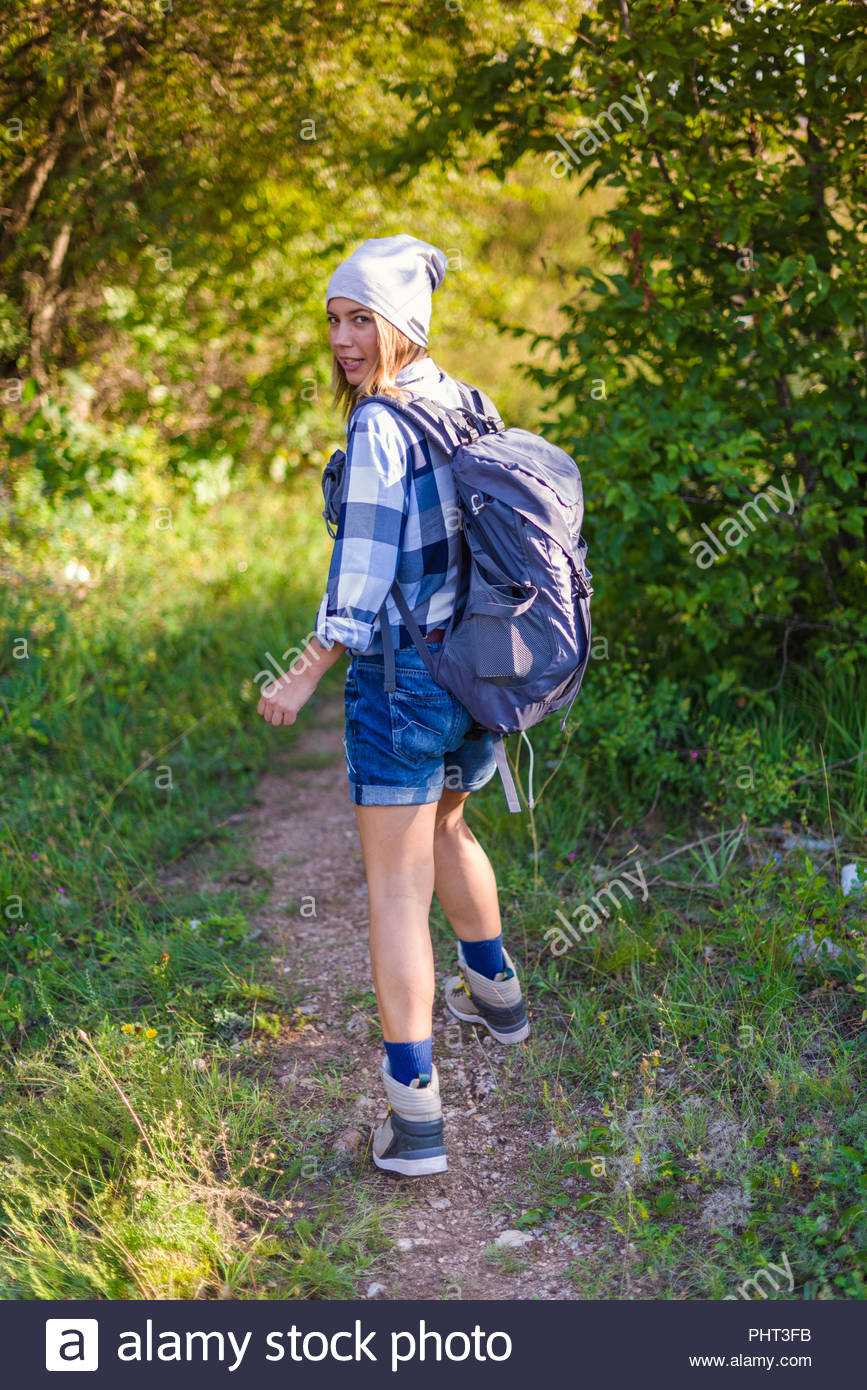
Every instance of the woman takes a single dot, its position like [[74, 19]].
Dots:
[[412, 757]]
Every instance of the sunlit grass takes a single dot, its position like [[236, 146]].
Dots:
[[702, 1084], [171, 1180], [135, 1164], [703, 1090]]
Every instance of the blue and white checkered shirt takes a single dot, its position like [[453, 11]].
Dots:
[[399, 519]]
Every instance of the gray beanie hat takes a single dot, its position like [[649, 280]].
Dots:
[[395, 276]]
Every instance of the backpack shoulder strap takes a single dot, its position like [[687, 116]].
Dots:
[[444, 426], [481, 405], [448, 427]]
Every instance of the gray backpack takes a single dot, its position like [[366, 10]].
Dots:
[[518, 641]]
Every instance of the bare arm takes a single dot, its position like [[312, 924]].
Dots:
[[286, 696]]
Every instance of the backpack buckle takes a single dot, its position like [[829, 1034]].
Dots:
[[582, 581], [481, 424], [489, 425]]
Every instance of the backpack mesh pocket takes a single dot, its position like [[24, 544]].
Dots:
[[501, 652], [504, 649]]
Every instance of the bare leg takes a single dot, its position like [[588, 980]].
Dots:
[[397, 844], [464, 880]]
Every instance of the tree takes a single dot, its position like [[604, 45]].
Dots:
[[720, 352], [174, 187]]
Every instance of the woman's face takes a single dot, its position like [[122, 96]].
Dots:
[[353, 338]]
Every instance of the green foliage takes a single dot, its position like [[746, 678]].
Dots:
[[183, 309], [718, 346], [636, 743], [745, 774], [67, 453], [633, 732]]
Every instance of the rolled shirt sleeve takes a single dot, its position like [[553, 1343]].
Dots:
[[369, 530]]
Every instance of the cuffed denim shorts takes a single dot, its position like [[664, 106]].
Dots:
[[406, 748]]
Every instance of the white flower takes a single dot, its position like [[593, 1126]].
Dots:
[[75, 573]]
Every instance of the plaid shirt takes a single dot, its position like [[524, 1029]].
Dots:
[[399, 519]]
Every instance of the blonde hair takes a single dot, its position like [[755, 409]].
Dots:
[[396, 350]]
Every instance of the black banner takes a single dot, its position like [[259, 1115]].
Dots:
[[418, 1344]]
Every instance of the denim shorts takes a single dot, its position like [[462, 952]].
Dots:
[[406, 748]]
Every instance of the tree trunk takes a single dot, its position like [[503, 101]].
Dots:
[[44, 305]]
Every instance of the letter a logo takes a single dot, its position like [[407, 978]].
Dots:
[[71, 1344]]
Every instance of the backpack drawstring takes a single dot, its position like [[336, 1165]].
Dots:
[[530, 802]]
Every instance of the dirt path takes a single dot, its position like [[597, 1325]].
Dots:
[[303, 832]]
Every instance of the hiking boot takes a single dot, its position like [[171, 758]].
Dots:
[[410, 1139], [497, 1003]]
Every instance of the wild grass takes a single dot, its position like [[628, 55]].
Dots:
[[137, 1162], [186, 1185], [699, 1071], [698, 1056]]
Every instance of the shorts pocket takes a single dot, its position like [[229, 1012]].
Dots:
[[351, 702], [351, 695], [422, 723]]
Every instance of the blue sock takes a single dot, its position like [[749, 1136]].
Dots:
[[408, 1060], [486, 957]]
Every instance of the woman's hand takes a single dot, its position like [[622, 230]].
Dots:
[[283, 698]]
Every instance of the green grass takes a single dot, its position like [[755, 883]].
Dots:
[[131, 732], [504, 1260], [702, 1090], [138, 1161], [191, 1184]]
